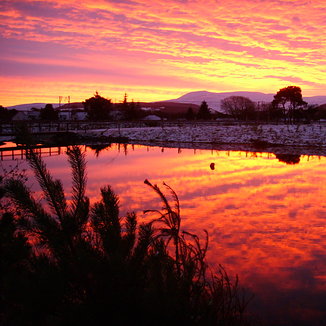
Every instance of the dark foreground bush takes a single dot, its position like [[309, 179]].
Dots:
[[85, 265]]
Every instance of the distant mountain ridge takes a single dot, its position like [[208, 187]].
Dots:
[[214, 99], [28, 106]]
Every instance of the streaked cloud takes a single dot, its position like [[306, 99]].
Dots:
[[167, 47]]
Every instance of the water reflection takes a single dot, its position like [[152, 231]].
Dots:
[[98, 148], [288, 158], [266, 219]]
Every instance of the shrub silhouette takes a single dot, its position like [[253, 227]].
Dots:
[[78, 264]]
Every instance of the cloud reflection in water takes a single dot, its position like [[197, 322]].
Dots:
[[266, 219]]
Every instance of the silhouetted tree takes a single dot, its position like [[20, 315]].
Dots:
[[124, 104], [130, 110], [311, 112], [6, 114], [204, 112], [239, 107], [3, 113], [133, 111], [289, 100], [48, 113], [98, 107], [320, 112], [272, 112], [190, 115]]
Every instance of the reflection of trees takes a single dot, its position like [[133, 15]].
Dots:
[[124, 147], [100, 147], [97, 148], [289, 158]]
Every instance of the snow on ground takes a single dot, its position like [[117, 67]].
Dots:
[[311, 136], [309, 139]]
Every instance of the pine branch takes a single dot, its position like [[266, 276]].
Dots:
[[35, 219], [79, 178], [52, 189]]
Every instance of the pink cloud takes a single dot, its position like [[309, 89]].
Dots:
[[183, 39]]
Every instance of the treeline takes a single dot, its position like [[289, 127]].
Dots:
[[287, 106], [99, 108]]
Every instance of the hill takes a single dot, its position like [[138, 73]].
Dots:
[[28, 106], [214, 99], [181, 104], [170, 107], [321, 112]]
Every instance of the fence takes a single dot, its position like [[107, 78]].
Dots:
[[14, 153], [9, 128]]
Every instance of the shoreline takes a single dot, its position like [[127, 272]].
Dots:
[[275, 149], [278, 139]]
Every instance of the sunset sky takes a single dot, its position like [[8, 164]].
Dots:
[[157, 50]]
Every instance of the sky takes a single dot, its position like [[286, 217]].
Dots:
[[159, 49]]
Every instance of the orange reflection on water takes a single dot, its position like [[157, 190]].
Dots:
[[258, 211], [265, 218]]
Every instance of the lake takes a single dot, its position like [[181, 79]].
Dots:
[[265, 215]]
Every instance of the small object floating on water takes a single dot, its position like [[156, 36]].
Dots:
[[212, 166]]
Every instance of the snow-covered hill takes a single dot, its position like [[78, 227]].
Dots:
[[214, 99]]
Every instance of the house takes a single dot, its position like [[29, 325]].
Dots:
[[72, 111], [64, 115], [20, 115], [33, 115], [79, 115], [117, 115], [152, 117], [26, 115], [68, 115]]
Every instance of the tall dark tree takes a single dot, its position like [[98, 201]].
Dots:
[[289, 100], [125, 99], [312, 112], [204, 112], [48, 113], [272, 112], [98, 107], [239, 107], [6, 114], [190, 114], [3, 112], [131, 110]]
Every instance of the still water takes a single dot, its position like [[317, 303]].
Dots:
[[265, 218]]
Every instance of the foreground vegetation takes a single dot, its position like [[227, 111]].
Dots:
[[70, 263]]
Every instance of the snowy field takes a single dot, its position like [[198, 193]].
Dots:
[[282, 138], [305, 139]]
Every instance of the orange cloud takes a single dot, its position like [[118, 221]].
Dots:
[[256, 45]]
